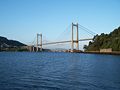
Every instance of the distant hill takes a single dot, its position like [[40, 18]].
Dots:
[[105, 41], [4, 42]]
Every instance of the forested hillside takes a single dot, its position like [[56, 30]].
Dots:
[[5, 42], [104, 41]]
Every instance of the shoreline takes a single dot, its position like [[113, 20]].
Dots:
[[106, 53], [89, 52]]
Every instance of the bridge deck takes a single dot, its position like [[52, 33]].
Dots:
[[64, 41]]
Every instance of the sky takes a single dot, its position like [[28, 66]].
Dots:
[[22, 19]]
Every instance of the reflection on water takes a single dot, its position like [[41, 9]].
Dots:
[[59, 71]]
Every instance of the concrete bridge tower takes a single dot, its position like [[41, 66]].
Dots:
[[37, 47], [77, 37]]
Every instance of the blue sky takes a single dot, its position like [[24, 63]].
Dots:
[[22, 19]]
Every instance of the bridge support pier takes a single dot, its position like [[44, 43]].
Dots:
[[77, 38]]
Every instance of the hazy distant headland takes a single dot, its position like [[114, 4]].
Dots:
[[10, 45]]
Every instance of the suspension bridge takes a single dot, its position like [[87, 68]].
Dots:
[[73, 41]]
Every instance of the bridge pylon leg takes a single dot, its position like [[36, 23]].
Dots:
[[37, 43], [72, 46], [77, 42], [40, 42]]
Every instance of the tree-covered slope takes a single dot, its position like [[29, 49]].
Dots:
[[104, 41], [5, 42]]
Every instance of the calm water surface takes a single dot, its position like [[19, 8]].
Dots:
[[59, 71]]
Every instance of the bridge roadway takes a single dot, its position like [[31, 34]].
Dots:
[[64, 41]]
